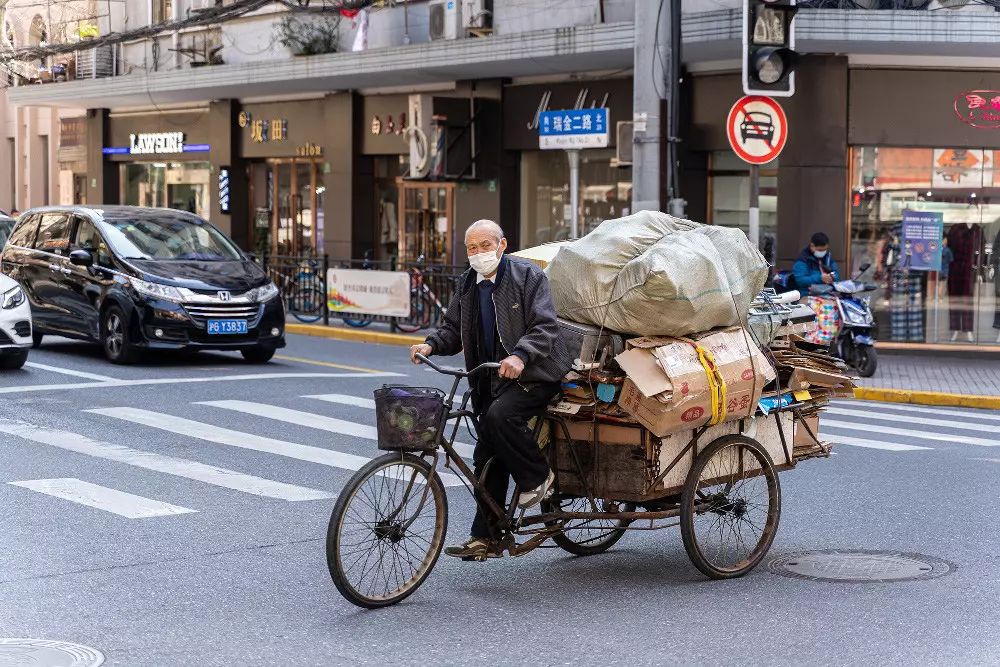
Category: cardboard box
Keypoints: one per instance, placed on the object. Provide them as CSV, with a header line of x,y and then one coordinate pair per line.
x,y
802,436
668,390
541,255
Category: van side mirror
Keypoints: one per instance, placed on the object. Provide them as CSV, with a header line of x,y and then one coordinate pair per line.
x,y
81,258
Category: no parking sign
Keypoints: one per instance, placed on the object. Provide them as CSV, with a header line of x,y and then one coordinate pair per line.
x,y
757,129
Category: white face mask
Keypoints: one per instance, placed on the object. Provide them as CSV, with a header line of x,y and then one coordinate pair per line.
x,y
485,263
819,254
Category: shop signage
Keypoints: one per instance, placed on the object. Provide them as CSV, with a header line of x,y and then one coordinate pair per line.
x,y
962,168
156,143
572,129
923,232
757,129
263,130
523,106
979,108
72,132
390,126
309,150
224,189
369,292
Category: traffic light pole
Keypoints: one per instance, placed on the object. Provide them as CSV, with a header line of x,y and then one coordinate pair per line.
x,y
754,232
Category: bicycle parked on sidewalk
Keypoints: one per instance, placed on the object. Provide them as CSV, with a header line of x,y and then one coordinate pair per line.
x,y
303,291
426,309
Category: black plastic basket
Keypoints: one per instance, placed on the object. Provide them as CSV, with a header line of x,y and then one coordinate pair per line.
x,y
408,418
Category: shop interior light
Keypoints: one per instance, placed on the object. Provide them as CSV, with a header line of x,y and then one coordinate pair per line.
x,y
973,195
929,193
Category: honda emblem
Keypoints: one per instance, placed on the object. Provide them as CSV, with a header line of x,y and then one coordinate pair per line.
x,y
225,296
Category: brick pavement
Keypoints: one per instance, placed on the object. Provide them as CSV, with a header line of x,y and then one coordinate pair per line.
x,y
951,375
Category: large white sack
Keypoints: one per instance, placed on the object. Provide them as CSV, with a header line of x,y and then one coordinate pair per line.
x,y
652,274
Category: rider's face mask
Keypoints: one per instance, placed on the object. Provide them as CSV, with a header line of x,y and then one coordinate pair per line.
x,y
819,254
485,262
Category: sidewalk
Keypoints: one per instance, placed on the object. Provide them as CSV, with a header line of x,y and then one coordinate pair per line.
x,y
901,378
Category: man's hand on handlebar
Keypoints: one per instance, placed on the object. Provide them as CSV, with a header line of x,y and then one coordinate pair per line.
x,y
511,367
423,349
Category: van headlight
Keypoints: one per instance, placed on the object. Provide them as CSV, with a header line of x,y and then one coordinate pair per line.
x,y
263,293
156,290
12,298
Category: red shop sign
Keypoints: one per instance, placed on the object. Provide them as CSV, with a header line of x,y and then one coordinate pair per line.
x,y
979,108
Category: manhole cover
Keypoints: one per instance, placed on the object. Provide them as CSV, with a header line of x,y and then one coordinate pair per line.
x,y
859,566
45,653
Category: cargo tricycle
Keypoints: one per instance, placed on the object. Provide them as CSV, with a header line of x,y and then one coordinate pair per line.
x,y
718,483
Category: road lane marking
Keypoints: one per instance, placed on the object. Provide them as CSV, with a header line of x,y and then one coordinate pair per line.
x,y
985,428
187,380
920,435
344,399
331,365
101,497
985,415
225,436
229,479
871,444
310,420
67,371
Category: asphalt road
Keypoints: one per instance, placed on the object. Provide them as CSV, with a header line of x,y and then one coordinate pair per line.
x,y
211,568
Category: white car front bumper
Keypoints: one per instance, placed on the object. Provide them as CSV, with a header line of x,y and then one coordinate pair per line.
x,y
15,327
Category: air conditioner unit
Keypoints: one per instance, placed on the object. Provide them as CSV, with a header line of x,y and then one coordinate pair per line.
x,y
477,14
624,143
445,19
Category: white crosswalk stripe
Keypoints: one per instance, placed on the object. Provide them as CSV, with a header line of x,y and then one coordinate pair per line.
x,y
225,436
921,434
229,479
871,444
924,421
344,399
311,420
101,497
949,413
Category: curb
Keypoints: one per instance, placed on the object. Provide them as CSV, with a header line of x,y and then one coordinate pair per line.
x,y
356,335
932,398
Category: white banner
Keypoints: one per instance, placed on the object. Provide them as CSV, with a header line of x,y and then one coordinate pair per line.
x,y
369,292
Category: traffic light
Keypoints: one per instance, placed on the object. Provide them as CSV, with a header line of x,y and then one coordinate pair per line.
x,y
769,57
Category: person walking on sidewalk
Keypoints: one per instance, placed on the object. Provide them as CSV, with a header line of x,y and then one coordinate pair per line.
x,y
502,312
814,266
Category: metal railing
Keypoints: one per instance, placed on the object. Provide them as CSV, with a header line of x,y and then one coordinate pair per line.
x,y
303,286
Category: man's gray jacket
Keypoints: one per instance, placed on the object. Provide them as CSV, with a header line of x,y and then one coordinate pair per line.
x,y
526,322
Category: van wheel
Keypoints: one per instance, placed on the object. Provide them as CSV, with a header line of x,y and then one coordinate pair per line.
x,y
13,361
115,337
258,355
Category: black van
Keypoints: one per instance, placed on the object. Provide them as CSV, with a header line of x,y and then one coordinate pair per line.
x,y
133,278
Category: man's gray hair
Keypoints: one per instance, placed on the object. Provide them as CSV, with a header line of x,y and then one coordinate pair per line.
x,y
485,226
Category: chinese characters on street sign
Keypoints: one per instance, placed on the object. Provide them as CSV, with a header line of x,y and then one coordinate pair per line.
x,y
923,232
573,128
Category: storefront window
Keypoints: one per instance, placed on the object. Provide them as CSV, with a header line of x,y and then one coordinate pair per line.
x,y
183,186
605,193
730,198
960,302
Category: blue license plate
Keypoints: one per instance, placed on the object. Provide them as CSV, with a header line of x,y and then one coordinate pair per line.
x,y
227,326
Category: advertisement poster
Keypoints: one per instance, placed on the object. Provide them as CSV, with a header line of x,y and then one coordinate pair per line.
x,y
369,292
921,244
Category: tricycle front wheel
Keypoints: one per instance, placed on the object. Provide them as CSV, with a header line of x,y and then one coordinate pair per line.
x,y
387,530
730,507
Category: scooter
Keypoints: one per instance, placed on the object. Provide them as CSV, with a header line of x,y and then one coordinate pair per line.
x,y
854,342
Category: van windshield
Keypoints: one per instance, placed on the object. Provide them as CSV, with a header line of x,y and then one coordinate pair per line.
x,y
168,237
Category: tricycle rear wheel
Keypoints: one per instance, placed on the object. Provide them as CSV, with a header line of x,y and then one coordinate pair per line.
x,y
728,517
586,537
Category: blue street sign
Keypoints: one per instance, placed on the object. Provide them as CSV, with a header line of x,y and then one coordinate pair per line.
x,y
573,128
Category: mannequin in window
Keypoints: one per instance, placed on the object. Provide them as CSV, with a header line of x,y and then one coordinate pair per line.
x,y
904,288
965,241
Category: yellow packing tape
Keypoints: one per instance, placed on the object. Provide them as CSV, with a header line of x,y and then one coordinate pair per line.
x,y
716,383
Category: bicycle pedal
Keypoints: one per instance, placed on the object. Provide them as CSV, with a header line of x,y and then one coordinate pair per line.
x,y
476,559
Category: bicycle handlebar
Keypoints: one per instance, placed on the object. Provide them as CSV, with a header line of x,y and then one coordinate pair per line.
x,y
456,372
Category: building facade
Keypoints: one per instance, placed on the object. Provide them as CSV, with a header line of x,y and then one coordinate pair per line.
x,y
391,144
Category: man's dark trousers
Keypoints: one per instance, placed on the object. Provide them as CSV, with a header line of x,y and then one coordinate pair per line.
x,y
504,432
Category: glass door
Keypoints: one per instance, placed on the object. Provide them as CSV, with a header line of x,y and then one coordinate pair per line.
x,y
297,225
426,215
285,210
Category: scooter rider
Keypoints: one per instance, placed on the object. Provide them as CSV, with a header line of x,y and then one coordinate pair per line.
x,y
814,265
